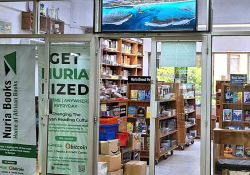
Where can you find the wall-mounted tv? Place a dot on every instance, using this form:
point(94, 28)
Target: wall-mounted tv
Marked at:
point(148, 15)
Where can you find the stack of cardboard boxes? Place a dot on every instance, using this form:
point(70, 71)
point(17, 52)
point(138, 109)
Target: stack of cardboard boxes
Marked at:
point(110, 153)
point(110, 160)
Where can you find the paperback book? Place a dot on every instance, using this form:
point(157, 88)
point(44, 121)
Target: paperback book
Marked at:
point(132, 111)
point(227, 114)
point(246, 97)
point(147, 95)
point(228, 150)
point(141, 111)
point(130, 127)
point(141, 126)
point(141, 95)
point(229, 96)
point(247, 115)
point(148, 112)
point(247, 151)
point(237, 116)
point(237, 97)
point(239, 151)
point(134, 94)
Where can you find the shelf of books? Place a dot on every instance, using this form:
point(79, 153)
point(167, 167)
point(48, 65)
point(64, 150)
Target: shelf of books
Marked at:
point(166, 123)
point(218, 97)
point(120, 58)
point(186, 114)
point(231, 142)
point(138, 120)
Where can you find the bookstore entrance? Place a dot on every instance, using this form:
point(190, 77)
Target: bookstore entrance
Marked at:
point(161, 99)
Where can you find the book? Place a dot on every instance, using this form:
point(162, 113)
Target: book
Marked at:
point(247, 128)
point(247, 115)
point(227, 114)
point(247, 151)
point(239, 151)
point(141, 95)
point(237, 127)
point(134, 95)
point(229, 97)
point(237, 116)
point(141, 111)
point(141, 126)
point(228, 150)
point(130, 127)
point(147, 95)
point(142, 143)
point(132, 111)
point(237, 97)
point(148, 112)
point(246, 97)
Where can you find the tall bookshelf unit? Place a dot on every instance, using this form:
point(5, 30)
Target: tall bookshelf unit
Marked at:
point(232, 130)
point(186, 112)
point(121, 58)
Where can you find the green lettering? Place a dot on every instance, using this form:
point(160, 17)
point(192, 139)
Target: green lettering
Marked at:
point(68, 73)
point(83, 74)
point(56, 76)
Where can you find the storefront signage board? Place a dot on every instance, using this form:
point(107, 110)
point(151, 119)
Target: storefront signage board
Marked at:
point(68, 123)
point(238, 79)
point(139, 79)
point(17, 110)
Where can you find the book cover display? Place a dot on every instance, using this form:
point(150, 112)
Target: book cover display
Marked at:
point(247, 115)
point(141, 95)
point(237, 97)
point(143, 15)
point(247, 151)
point(148, 112)
point(147, 95)
point(134, 95)
point(229, 96)
point(141, 111)
point(228, 150)
point(227, 114)
point(239, 151)
point(237, 116)
point(246, 97)
point(131, 111)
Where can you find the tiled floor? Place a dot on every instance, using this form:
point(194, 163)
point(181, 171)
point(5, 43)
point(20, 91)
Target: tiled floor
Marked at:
point(182, 162)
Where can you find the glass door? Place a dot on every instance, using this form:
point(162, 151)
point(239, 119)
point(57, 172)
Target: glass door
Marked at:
point(179, 122)
point(70, 115)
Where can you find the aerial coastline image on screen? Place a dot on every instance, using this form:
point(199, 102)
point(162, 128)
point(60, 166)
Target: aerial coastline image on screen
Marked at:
point(149, 15)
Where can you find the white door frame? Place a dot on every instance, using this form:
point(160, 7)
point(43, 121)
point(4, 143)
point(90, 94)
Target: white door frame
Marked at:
point(205, 97)
point(93, 102)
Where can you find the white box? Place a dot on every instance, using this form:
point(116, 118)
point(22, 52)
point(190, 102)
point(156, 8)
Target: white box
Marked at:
point(102, 168)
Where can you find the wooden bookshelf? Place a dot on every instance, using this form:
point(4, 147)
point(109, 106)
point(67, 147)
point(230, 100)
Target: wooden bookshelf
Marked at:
point(218, 97)
point(133, 66)
point(182, 114)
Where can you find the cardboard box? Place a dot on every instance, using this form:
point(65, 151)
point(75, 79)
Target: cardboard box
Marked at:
point(114, 162)
point(134, 141)
point(136, 168)
point(102, 168)
point(111, 147)
point(119, 172)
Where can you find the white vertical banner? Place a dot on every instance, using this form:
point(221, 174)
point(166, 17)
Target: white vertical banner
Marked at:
point(17, 110)
point(68, 122)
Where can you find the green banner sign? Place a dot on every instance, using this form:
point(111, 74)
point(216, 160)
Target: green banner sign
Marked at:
point(68, 123)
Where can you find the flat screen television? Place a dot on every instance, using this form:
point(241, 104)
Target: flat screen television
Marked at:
point(148, 15)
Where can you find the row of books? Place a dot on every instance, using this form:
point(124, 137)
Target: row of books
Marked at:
point(235, 115)
point(236, 97)
point(138, 111)
point(140, 126)
point(110, 44)
point(127, 48)
point(237, 127)
point(109, 59)
point(140, 95)
point(125, 60)
point(239, 152)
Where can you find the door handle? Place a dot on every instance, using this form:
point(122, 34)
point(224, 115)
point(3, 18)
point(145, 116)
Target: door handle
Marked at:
point(50, 106)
